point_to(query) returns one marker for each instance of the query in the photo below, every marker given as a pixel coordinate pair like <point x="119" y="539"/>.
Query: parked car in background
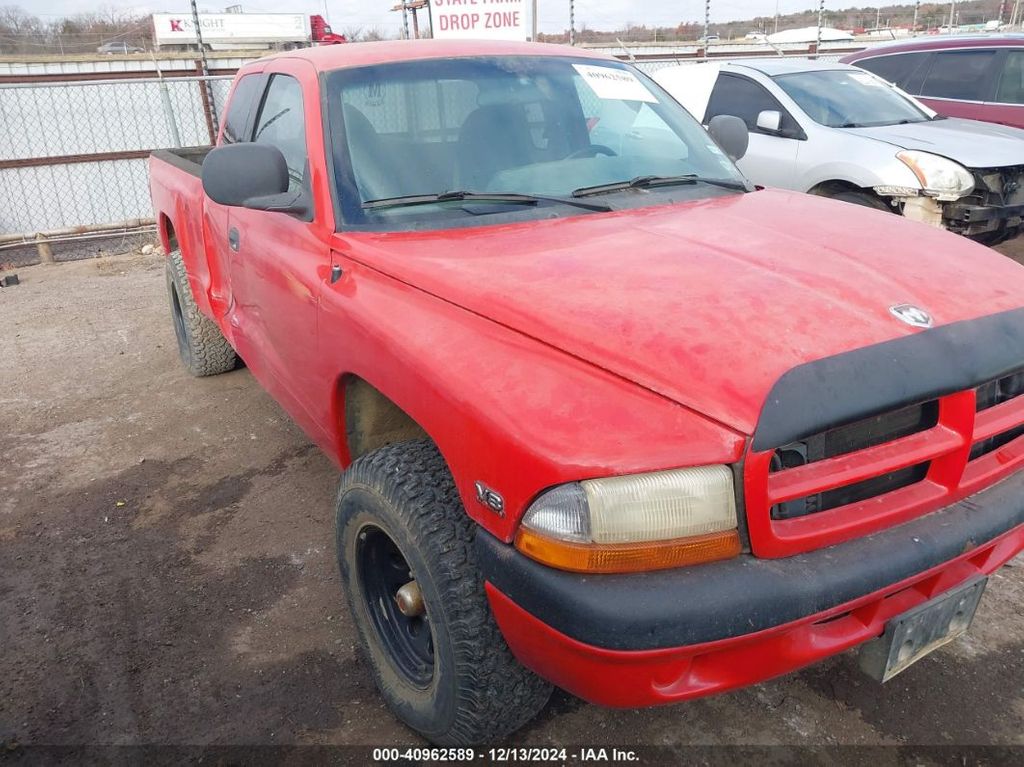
<point x="980" y="77"/>
<point x="610" y="417"/>
<point x="119" y="47"/>
<point x="838" y="131"/>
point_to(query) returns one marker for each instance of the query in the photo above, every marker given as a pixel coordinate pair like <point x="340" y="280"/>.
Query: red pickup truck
<point x="609" y="417"/>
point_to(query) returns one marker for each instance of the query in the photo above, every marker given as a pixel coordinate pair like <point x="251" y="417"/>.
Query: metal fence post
<point x="211" y="115"/>
<point x="205" y="93"/>
<point x="165" y="100"/>
<point x="821" y="18"/>
<point x="44" y="250"/>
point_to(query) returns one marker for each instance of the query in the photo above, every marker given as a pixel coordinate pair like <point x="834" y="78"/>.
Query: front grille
<point x="999" y="186"/>
<point x="858" y="462"/>
<point x="988" y="396"/>
<point x="849" y="438"/>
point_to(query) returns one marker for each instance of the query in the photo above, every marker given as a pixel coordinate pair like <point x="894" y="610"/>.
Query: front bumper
<point x="650" y="638"/>
<point x="973" y="219"/>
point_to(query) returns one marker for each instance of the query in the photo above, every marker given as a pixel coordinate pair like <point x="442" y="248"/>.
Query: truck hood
<point x="971" y="143"/>
<point x="708" y="302"/>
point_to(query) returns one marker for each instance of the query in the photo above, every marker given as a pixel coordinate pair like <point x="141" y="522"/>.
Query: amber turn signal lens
<point x="627" y="557"/>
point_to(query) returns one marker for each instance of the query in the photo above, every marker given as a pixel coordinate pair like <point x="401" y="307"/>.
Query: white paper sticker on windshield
<point x="616" y="84"/>
<point x="865" y="79"/>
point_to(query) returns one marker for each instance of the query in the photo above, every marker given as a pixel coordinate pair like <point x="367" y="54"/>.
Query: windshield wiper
<point x="459" y="196"/>
<point x="648" y="182"/>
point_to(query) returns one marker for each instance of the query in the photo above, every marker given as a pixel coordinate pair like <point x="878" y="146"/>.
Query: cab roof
<point x="328" y="57"/>
<point x="785" y="66"/>
<point x="940" y="42"/>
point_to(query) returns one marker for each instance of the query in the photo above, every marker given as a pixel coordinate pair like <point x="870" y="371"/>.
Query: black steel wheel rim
<point x="407" y="641"/>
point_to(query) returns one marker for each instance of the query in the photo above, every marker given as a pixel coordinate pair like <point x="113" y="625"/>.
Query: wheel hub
<point x="410" y="600"/>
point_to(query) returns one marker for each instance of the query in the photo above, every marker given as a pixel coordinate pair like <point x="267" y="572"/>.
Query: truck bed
<point x="189" y="158"/>
<point x="177" y="192"/>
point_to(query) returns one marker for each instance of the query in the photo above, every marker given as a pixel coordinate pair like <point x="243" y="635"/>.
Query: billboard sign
<point x="479" y="19"/>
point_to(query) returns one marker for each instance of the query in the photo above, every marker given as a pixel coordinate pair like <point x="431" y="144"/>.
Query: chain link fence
<point x="74" y="175"/>
<point x="73" y="162"/>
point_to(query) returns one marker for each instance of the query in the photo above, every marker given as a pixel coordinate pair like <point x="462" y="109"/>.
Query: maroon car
<point x="980" y="77"/>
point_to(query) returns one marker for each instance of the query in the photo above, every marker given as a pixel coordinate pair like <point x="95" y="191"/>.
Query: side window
<point x="958" y="75"/>
<point x="745" y="99"/>
<point x="281" y="124"/>
<point x="901" y="69"/>
<point x="1011" y="81"/>
<point x="242" y="98"/>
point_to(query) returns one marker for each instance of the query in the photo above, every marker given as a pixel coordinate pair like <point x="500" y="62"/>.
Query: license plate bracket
<point x="921" y="630"/>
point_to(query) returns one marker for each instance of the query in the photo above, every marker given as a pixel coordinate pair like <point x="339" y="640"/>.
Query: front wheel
<point x="405" y="550"/>
<point x="861" y="198"/>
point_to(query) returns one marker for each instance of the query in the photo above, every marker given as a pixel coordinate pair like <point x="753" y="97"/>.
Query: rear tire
<point x="400" y="520"/>
<point x="203" y="349"/>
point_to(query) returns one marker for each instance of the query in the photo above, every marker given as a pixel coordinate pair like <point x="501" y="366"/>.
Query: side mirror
<point x="731" y="134"/>
<point x="770" y="120"/>
<point x="251" y="176"/>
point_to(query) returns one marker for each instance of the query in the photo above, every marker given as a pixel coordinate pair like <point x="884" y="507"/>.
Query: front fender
<point x="864" y="162"/>
<point x="504" y="409"/>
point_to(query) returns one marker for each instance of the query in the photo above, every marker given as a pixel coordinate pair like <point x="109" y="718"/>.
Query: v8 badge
<point x="490" y="498"/>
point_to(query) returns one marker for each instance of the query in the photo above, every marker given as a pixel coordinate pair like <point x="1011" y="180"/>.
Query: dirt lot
<point x="167" y="571"/>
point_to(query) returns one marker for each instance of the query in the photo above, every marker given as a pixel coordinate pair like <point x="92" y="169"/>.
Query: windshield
<point x="841" y="98"/>
<point x="535" y="126"/>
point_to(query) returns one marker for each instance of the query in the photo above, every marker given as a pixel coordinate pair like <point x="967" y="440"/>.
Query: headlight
<point x="639" y="522"/>
<point x="939" y="177"/>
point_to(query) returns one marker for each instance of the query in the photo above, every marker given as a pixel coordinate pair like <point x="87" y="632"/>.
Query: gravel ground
<point x="167" y="573"/>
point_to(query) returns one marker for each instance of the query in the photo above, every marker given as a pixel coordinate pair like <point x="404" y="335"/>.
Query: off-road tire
<point x="203" y="349"/>
<point x="478" y="692"/>
<point x="860" y="198"/>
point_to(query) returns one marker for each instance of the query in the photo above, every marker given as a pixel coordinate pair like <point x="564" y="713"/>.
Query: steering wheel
<point x="593" y="150"/>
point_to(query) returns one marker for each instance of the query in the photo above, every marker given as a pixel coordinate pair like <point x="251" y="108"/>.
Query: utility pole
<point x="776" y="16"/>
<point x="707" y="23"/>
<point x="917" y="7"/>
<point x="952" y="14"/>
<point x="205" y="68"/>
<point x="405" y="21"/>
<point x="572" y="22"/>
<point x="534" y="18"/>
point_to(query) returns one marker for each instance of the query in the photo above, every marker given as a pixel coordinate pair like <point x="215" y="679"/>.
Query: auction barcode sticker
<point x="618" y="84"/>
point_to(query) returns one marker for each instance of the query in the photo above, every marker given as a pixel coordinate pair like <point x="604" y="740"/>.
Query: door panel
<point x="771" y="161"/>
<point x="1007" y="105"/>
<point x="278" y="260"/>
<point x="771" y="158"/>
<point x="237" y="121"/>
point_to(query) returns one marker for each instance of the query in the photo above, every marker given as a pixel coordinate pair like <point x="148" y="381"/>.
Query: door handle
<point x="233" y="239"/>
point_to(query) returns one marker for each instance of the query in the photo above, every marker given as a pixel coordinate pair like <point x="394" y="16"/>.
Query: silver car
<point x="838" y="131"/>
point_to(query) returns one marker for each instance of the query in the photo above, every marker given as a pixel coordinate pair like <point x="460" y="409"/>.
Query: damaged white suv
<point x="838" y="131"/>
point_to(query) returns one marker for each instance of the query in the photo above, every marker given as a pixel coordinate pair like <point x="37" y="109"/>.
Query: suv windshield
<point x="841" y="98"/>
<point x="482" y="134"/>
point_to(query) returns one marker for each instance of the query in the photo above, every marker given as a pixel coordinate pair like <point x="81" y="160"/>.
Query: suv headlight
<point x="939" y="177"/>
<point x="631" y="523"/>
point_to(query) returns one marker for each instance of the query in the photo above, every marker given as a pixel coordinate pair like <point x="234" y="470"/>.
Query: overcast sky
<point x="554" y="14"/>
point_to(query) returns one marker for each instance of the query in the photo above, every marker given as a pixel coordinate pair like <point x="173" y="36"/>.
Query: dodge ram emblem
<point x="912" y="315"/>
